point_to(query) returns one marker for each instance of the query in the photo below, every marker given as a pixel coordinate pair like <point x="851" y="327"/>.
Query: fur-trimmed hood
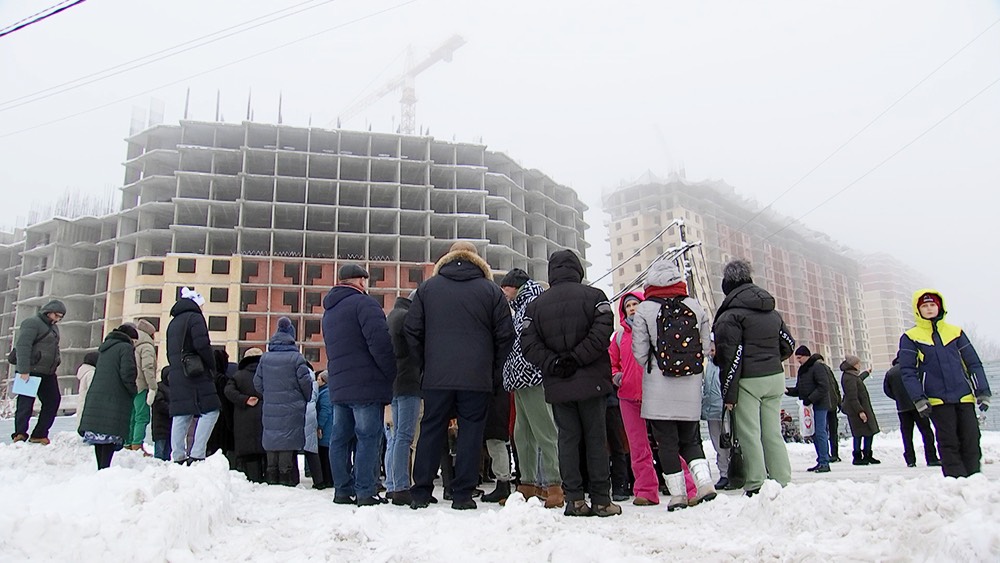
<point x="458" y="271"/>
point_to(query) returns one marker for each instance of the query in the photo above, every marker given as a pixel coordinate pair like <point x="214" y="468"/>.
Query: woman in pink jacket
<point x="627" y="375"/>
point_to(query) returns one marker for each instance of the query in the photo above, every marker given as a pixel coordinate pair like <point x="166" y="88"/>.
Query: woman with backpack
<point x="671" y="336"/>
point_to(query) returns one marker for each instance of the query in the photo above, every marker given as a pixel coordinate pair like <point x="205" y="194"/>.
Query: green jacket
<point x="108" y="409"/>
<point x="42" y="357"/>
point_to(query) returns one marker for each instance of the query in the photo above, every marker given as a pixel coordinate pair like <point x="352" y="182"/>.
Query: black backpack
<point x="678" y="339"/>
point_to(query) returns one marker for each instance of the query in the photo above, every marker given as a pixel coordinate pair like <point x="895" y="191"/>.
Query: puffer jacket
<point x="361" y="363"/>
<point x="160" y="420"/>
<point x="459" y="326"/>
<point x="407" y="383"/>
<point x="312" y="423"/>
<point x="711" y="393"/>
<point x="247" y="425"/>
<point x="324" y="415"/>
<point x="109" y="409"/>
<point x="751" y="339"/>
<point x="622" y="360"/>
<point x="666" y="397"/>
<point x="812" y="386"/>
<point x="570" y="320"/>
<point x="283" y="379"/>
<point x="190" y="395"/>
<point x="518" y="372"/>
<point x="856" y="401"/>
<point x="41" y="357"/>
<point x="145" y="363"/>
<point x="942" y="353"/>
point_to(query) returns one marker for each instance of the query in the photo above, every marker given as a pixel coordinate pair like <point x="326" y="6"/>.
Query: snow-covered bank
<point x="58" y="507"/>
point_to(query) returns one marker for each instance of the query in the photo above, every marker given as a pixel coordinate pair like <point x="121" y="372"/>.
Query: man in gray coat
<point x="37" y="349"/>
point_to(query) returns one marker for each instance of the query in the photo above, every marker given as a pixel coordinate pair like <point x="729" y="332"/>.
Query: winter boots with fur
<point x="554" y="497"/>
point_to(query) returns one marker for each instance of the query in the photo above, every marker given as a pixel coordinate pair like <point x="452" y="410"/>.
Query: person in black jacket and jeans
<point x="193" y="400"/>
<point x="566" y="331"/>
<point x="405" y="407"/>
<point x="908" y="417"/>
<point x="460" y="330"/>
<point x="812" y="387"/>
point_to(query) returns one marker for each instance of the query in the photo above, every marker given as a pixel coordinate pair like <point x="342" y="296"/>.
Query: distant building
<point x="815" y="282"/>
<point x="888" y="285"/>
<point x="258" y="217"/>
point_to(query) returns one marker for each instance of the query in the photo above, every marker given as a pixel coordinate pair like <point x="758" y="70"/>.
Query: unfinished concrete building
<point x="258" y="217"/>
<point x="816" y="283"/>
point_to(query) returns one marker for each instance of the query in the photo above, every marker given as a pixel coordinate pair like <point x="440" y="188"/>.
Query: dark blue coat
<point x="361" y="365"/>
<point x="190" y="395"/>
<point x="459" y="326"/>
<point x="284" y="380"/>
<point x="324" y="415"/>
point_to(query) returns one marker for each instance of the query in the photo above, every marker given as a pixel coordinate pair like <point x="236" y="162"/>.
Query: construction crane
<point x="405" y="82"/>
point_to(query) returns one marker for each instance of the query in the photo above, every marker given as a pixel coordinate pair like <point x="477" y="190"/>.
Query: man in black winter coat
<point x="566" y="331"/>
<point x="460" y="329"/>
<point x="812" y="387"/>
<point x="908" y="417"/>
<point x="36" y="344"/>
<point x="405" y="407"/>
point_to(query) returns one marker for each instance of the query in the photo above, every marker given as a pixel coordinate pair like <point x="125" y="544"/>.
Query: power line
<point x="213" y="69"/>
<point x="868" y="125"/>
<point x="6" y="27"/>
<point x="887" y="159"/>
<point x="55" y="10"/>
<point x="189" y="45"/>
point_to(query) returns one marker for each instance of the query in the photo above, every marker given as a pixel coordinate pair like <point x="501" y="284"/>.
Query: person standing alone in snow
<point x="37" y="348"/>
<point x="858" y="406"/>
<point x="953" y="382"/>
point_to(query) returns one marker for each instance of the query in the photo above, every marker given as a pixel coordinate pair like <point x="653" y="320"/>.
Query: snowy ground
<point x="56" y="506"/>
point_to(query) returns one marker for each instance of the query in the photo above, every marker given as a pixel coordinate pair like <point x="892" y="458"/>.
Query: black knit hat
<point x="515" y="278"/>
<point x="803" y="351"/>
<point x="351" y="271"/>
<point x="129" y="330"/>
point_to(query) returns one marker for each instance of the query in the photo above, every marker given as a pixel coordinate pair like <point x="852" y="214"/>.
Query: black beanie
<point x="803" y="351"/>
<point x="515" y="278"/>
<point x="129" y="331"/>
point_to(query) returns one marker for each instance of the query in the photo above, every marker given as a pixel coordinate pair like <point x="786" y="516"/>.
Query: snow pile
<point x="58" y="507"/>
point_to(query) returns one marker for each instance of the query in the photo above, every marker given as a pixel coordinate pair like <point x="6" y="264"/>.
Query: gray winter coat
<point x="665" y="397"/>
<point x="312" y="437"/>
<point x="283" y="380"/>
<point x="41" y="357"/>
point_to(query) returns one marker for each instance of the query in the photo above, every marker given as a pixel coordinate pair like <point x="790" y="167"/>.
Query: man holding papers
<point x="37" y="348"/>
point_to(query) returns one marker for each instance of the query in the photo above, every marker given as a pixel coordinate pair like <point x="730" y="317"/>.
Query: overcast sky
<point x="593" y="94"/>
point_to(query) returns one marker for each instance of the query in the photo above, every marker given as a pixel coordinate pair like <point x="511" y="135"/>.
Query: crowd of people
<point x="538" y="381"/>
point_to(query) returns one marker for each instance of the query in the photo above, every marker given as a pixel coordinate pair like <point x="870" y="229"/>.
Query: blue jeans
<point x="405" y="413"/>
<point x="161" y="449"/>
<point x="179" y="430"/>
<point x="821" y="437"/>
<point x="364" y="421"/>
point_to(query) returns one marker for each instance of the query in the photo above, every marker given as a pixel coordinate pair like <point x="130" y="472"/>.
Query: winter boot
<point x="870" y="459"/>
<point x="402" y="498"/>
<point x="703" y="479"/>
<point x="678" y="492"/>
<point x="42" y="441"/>
<point x="605" y="510"/>
<point x="499" y="494"/>
<point x="528" y="491"/>
<point x="19" y="437"/>
<point x="466" y="504"/>
<point x="859" y="458"/>
<point x="722" y="484"/>
<point x="578" y="508"/>
<point x="554" y="497"/>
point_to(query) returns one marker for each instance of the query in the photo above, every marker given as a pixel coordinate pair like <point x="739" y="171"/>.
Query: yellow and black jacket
<point x="938" y="362"/>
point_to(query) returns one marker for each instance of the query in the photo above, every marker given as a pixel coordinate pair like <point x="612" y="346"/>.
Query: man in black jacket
<point x="907" y="412"/>
<point x="812" y="387"/>
<point x="751" y="342"/>
<point x="405" y="407"/>
<point x="459" y="328"/>
<point x="566" y="332"/>
<point x="37" y="348"/>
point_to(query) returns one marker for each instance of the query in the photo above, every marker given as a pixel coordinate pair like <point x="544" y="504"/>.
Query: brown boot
<point x="527" y="491"/>
<point x="554" y="497"/>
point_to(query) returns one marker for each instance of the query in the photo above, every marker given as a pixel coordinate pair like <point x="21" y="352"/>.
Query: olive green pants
<point x="758" y="428"/>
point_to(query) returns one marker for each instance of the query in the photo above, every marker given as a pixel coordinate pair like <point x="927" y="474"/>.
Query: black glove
<point x="565" y="366"/>
<point x="984" y="402"/>
<point x="806" y="402"/>
<point x="923" y="408"/>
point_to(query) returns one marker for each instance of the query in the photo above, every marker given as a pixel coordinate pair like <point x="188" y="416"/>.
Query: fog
<point x="593" y="94"/>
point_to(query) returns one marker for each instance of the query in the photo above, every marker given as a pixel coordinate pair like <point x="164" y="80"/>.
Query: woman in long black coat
<point x="106" y="418"/>
<point x="858" y="408"/>
<point x="247" y="427"/>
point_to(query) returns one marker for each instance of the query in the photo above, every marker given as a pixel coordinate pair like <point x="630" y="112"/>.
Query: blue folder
<point x="28" y="388"/>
